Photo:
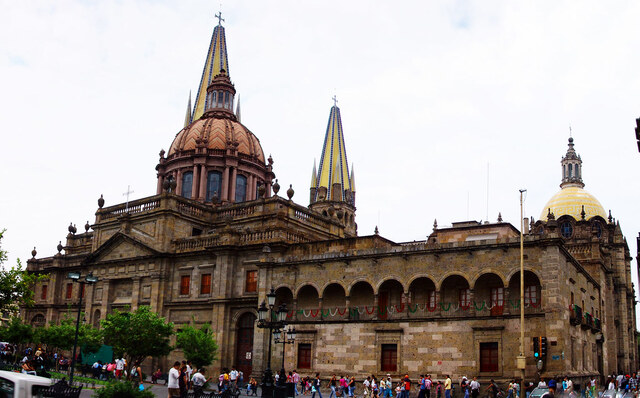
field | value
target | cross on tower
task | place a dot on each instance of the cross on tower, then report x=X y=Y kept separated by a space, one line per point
x=335 y=100
x=219 y=16
x=129 y=192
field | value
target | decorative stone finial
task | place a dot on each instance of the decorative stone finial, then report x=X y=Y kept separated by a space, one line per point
x=87 y=226
x=583 y=214
x=376 y=231
x=172 y=184
x=270 y=160
x=161 y=154
x=70 y=228
x=435 y=224
x=610 y=217
x=550 y=215
x=34 y=252
x=261 y=190
x=290 y=191
x=60 y=247
x=276 y=187
x=101 y=201
x=499 y=216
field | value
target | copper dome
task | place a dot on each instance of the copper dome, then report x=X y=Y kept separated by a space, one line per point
x=217 y=133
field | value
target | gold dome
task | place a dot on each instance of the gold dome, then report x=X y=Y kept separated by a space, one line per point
x=569 y=201
x=217 y=133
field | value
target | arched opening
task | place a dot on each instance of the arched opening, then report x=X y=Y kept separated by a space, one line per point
x=390 y=299
x=488 y=295
x=214 y=181
x=455 y=293
x=422 y=296
x=285 y=296
x=38 y=320
x=532 y=292
x=308 y=298
x=334 y=301
x=244 y=343
x=361 y=299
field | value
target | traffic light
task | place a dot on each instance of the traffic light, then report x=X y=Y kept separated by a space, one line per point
x=543 y=347
x=536 y=347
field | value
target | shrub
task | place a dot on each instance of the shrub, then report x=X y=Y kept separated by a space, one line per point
x=124 y=389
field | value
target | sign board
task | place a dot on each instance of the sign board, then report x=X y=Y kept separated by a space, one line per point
x=248 y=355
x=555 y=357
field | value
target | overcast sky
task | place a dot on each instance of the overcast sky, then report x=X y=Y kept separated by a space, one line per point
x=448 y=108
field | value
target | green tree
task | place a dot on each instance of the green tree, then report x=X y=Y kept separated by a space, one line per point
x=198 y=344
x=124 y=389
x=16 y=284
x=137 y=334
x=62 y=335
x=16 y=332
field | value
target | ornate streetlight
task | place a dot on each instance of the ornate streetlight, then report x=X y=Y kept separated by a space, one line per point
x=273 y=323
x=284 y=337
x=89 y=279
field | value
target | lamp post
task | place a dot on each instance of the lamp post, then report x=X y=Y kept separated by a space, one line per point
x=89 y=279
x=521 y=357
x=284 y=337
x=268 y=322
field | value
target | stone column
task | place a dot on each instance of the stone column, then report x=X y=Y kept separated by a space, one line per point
x=224 y=195
x=347 y=304
x=159 y=186
x=505 y=303
x=194 y=182
x=472 y=309
x=155 y=293
x=88 y=298
x=104 y=307
x=135 y=294
x=232 y=185
x=179 y=183
x=320 y=308
x=251 y=187
x=203 y=182
x=375 y=307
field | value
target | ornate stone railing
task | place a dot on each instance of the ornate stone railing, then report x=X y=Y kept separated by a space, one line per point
x=238 y=211
x=194 y=243
x=137 y=206
x=306 y=215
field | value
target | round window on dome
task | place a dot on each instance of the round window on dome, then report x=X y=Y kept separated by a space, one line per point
x=566 y=229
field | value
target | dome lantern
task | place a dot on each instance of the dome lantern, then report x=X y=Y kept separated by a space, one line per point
x=571 y=168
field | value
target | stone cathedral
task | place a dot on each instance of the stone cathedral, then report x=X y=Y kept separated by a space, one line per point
x=219 y=233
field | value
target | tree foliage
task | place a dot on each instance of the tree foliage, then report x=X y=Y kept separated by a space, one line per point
x=62 y=335
x=16 y=332
x=198 y=344
x=16 y=284
x=137 y=334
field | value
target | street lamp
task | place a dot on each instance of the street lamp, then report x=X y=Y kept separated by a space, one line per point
x=267 y=320
x=89 y=279
x=521 y=358
x=284 y=337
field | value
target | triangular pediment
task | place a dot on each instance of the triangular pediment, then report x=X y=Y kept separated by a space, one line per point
x=120 y=247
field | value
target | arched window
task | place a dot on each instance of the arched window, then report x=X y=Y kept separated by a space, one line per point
x=214 y=99
x=220 y=98
x=570 y=170
x=213 y=185
x=187 y=184
x=241 y=188
x=566 y=229
x=597 y=228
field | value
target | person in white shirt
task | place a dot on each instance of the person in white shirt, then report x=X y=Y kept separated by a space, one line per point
x=475 y=387
x=366 y=384
x=199 y=380
x=173 y=384
x=233 y=376
x=119 y=367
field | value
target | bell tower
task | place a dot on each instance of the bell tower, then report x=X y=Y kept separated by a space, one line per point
x=332 y=191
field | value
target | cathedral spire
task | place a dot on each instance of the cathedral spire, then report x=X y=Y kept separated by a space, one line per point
x=187 y=117
x=571 y=168
x=334 y=167
x=215 y=63
x=238 y=110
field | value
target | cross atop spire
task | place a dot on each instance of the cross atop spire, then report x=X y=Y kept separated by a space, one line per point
x=220 y=19
x=335 y=100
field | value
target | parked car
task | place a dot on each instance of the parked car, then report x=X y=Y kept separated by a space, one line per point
x=538 y=391
x=20 y=385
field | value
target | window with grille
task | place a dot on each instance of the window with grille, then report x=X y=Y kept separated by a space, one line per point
x=185 y=280
x=488 y=357
x=497 y=297
x=43 y=294
x=389 y=358
x=531 y=295
x=304 y=356
x=205 y=284
x=69 y=290
x=251 y=284
x=464 y=298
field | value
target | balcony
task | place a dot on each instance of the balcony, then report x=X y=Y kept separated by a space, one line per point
x=597 y=326
x=576 y=315
x=588 y=321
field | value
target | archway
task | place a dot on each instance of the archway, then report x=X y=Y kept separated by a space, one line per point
x=244 y=343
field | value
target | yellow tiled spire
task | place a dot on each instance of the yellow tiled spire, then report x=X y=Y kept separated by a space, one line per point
x=216 y=61
x=314 y=175
x=334 y=167
x=187 y=117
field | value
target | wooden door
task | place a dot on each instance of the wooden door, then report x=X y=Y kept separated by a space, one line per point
x=244 y=344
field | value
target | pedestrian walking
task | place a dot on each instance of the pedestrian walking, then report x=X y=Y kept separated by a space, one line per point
x=475 y=387
x=332 y=385
x=173 y=386
x=315 y=388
